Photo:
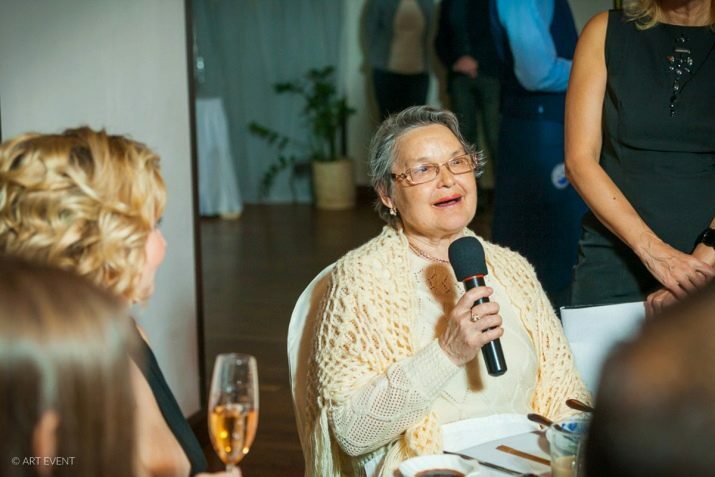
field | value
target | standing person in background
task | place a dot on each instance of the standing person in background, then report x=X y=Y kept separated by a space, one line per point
x=398 y=44
x=640 y=149
x=537 y=212
x=465 y=45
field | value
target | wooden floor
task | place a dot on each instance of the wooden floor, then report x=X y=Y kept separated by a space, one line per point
x=254 y=269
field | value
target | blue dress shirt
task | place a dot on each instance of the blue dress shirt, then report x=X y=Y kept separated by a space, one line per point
x=536 y=63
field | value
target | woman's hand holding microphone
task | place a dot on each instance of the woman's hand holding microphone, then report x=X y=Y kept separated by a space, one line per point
x=471 y=327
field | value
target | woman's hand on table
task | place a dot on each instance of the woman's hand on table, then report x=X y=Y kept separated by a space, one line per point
x=464 y=335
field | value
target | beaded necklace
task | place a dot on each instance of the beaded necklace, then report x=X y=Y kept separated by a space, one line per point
x=682 y=66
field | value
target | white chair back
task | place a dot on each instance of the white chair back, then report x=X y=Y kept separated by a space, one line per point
x=300 y=340
x=592 y=331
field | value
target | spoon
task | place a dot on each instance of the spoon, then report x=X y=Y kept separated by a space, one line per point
x=545 y=421
x=579 y=405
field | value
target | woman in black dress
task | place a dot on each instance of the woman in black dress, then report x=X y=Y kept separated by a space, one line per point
x=89 y=202
x=640 y=149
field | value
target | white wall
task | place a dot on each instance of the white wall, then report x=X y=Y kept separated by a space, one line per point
x=119 y=65
x=363 y=124
x=583 y=10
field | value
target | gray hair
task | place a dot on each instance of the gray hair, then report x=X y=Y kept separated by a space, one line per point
x=383 y=148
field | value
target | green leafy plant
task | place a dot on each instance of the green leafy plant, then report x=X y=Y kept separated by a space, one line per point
x=325 y=115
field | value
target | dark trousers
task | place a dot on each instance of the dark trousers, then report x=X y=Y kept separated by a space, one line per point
x=395 y=92
x=607 y=270
x=537 y=212
x=477 y=99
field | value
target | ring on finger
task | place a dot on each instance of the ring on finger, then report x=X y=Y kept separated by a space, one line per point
x=475 y=317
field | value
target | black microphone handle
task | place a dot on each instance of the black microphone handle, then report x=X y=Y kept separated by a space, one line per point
x=492 y=352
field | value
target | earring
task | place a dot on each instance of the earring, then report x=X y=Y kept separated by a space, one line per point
x=393 y=212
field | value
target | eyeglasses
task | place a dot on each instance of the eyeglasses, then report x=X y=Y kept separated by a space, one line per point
x=429 y=172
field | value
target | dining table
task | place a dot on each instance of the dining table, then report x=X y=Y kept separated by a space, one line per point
x=510 y=441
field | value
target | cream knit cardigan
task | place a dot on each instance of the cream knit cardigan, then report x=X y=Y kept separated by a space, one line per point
x=363 y=332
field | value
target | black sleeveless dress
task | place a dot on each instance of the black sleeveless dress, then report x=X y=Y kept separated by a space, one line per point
x=658 y=147
x=144 y=357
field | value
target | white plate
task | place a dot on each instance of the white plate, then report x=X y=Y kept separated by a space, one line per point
x=411 y=467
x=460 y=435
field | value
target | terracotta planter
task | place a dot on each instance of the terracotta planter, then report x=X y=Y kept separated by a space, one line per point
x=334 y=184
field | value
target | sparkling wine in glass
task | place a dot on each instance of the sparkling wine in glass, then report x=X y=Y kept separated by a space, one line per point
x=233 y=407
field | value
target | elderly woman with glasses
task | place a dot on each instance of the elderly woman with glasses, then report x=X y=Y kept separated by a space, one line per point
x=396 y=350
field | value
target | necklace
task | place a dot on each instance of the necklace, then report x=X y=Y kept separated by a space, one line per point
x=683 y=64
x=425 y=255
x=680 y=64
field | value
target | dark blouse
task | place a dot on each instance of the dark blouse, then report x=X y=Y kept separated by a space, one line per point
x=144 y=357
x=662 y=158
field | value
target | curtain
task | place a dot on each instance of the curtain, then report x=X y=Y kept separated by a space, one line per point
x=248 y=45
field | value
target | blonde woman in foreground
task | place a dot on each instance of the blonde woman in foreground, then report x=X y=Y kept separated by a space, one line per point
x=90 y=202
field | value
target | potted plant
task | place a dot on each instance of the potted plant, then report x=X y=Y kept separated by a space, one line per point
x=325 y=116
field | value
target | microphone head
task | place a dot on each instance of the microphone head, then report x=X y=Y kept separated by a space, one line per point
x=467 y=258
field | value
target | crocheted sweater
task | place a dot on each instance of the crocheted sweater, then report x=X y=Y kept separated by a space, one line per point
x=369 y=391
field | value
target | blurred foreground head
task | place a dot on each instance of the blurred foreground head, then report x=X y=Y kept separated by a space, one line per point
x=83 y=201
x=655 y=407
x=65 y=390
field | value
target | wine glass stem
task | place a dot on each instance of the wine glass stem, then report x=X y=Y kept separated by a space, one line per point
x=231 y=467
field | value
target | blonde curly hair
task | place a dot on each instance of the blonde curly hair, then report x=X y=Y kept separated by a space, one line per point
x=648 y=13
x=82 y=200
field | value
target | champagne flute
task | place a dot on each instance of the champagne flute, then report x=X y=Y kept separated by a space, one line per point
x=233 y=407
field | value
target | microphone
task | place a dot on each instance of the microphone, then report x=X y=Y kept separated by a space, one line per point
x=466 y=255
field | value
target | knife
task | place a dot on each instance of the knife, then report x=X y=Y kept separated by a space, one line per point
x=524 y=455
x=492 y=466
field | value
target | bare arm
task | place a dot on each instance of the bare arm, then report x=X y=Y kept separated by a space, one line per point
x=537 y=65
x=159 y=452
x=678 y=272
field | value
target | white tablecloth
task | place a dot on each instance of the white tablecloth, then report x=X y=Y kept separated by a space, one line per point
x=218 y=182
x=480 y=437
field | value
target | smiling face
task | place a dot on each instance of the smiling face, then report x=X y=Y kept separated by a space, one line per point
x=439 y=209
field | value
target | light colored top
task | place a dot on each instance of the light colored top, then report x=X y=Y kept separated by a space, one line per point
x=472 y=392
x=371 y=390
x=382 y=27
x=536 y=63
x=406 y=54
